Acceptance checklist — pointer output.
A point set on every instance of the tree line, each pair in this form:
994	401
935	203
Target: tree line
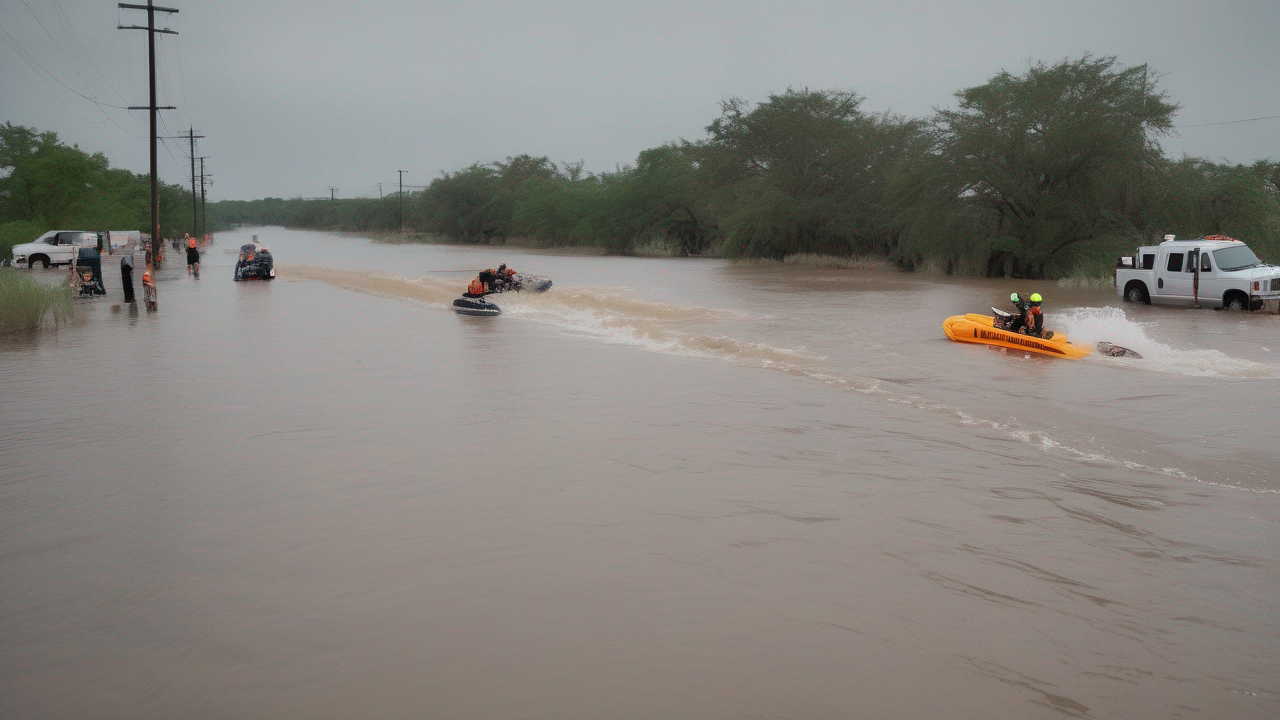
46	184
1047	173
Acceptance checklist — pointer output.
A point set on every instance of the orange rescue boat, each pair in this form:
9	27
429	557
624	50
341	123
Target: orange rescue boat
981	329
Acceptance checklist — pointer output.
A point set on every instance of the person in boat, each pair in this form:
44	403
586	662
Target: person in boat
477	288
498	280
1019	320
1032	317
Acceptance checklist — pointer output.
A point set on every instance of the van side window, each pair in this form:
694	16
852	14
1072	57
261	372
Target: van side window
1204	263
1148	261
1175	262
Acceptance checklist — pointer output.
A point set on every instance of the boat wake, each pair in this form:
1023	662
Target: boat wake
615	316
1088	326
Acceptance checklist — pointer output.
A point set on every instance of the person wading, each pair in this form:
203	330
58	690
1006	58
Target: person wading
126	277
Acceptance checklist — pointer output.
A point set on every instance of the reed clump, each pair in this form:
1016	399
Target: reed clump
1087	282
844	262
25	302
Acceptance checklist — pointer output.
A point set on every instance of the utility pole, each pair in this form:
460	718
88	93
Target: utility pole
195	224
402	172
332	190
204	227
151	52
379	191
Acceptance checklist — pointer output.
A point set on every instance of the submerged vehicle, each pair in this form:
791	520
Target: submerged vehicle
993	330
470	304
254	263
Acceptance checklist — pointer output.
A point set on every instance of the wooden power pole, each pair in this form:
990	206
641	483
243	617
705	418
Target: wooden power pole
195	217
401	212
204	226
151	52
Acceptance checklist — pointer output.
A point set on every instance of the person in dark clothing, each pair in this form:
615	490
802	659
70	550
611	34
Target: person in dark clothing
1019	320
1034	319
126	277
193	257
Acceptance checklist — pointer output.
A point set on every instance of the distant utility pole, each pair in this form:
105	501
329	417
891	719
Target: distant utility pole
332	190
151	52
402	172
204	227
195	218
379	191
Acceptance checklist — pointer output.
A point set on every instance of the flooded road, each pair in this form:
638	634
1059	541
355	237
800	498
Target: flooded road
665	488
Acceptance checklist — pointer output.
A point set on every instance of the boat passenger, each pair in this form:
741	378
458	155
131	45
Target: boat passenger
1019	320
1033	320
476	289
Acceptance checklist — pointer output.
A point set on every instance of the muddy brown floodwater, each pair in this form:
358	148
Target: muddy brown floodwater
664	489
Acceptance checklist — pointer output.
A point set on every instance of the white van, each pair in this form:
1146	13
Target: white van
56	247
1214	271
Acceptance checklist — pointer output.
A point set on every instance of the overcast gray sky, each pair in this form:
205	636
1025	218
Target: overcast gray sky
297	96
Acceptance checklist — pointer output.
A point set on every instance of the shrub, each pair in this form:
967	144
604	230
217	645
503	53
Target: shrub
25	301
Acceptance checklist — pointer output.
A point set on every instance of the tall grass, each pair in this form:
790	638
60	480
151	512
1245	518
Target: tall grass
1080	281
25	301
845	262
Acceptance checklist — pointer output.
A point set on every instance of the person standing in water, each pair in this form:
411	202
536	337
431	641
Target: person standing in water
193	257
126	277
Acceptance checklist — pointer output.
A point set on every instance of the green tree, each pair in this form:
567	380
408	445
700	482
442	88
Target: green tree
1032	169
805	171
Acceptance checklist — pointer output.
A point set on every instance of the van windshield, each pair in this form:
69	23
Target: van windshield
1235	258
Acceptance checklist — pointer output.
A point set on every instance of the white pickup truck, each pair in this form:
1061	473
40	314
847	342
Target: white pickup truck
1213	271
56	247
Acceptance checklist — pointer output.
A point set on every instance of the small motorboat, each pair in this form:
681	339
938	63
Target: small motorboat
988	330
470	304
254	263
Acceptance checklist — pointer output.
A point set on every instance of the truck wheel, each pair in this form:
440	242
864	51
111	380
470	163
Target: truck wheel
38	259
1136	293
1235	301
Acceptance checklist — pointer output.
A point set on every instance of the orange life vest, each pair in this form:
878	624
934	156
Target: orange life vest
476	287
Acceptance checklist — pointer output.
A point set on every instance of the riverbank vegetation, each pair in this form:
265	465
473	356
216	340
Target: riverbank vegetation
1050	173
26	302
46	184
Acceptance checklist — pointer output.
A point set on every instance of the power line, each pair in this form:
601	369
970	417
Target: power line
35	64
1230	122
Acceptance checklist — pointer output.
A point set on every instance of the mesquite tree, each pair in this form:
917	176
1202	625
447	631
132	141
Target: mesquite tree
1031	169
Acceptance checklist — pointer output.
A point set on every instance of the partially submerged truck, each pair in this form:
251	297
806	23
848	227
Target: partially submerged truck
1213	271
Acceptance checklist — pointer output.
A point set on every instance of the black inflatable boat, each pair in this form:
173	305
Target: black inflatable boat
473	305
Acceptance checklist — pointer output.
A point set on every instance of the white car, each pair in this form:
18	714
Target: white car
1214	271
56	247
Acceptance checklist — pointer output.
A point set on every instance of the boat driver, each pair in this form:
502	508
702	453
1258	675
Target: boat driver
1033	319
498	279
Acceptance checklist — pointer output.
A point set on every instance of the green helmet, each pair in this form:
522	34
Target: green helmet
1014	298
1035	298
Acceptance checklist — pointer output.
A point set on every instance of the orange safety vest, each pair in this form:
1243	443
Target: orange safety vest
476	287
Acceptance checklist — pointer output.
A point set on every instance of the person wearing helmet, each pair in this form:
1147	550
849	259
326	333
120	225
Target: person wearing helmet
1034	318
1019	320
193	256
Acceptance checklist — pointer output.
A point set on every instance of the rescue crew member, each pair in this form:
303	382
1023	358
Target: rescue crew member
1020	320
1034	318
477	288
